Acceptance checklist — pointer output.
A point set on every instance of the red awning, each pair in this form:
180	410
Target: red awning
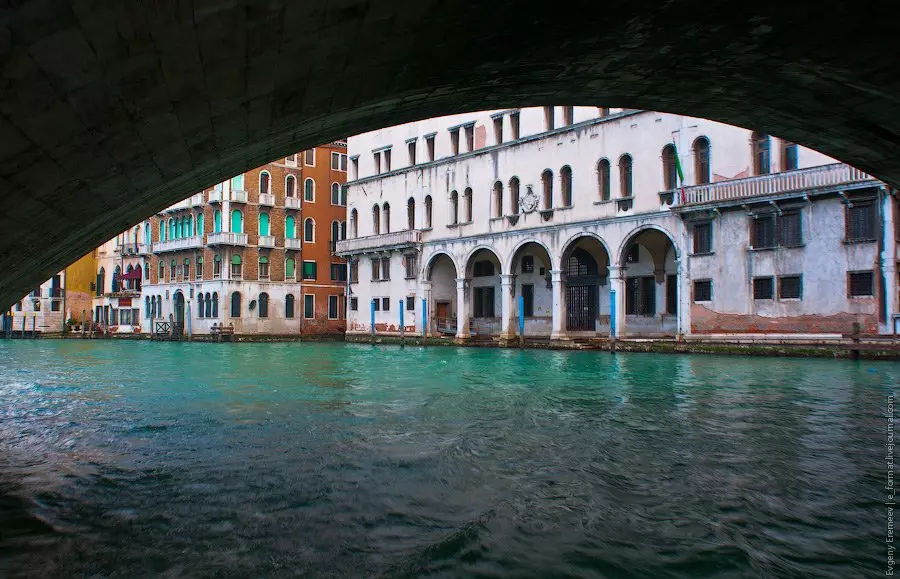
133	274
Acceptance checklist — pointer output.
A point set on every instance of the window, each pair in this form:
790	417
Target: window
771	230
338	161
332	307
376	157
264	224
215	304
568	115
514	125
467	197
548	118
411	264
483	302
335	194
376	269
428	211
263	267
429	145
514	195
309	230
625	185
761	159
528	300
454	207
483	268
633	255
237	183
385	268
763	288
290	186
172	267
309	303
701	161
290	268
670	169
354	223
565	183
236	267
860	284
290	229
354	271
410	303
859	220
702	235
338	272
264	183
386	214
237	221
354	304
217	221
671	294
789	157
497	200
291	159
236	305
264	305
186	270
410	213
309	190
376	219
217	267
498	129
385	304
335	235
289	306
547	183
387	160
376	304
703	290
790	287
470	137
454	141
527	264
355	160
411	149
603	179
309	270
309	158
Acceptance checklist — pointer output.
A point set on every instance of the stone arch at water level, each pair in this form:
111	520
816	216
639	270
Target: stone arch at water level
649	284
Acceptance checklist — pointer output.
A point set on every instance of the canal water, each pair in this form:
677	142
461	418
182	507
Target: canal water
138	459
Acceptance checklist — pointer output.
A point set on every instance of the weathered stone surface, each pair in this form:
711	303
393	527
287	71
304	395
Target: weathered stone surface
109	111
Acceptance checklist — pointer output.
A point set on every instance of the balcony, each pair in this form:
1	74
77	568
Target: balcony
180	206
383	242
292	203
293	243
197	200
267	199
195	242
226	238
266	241
238	195
216	196
814	179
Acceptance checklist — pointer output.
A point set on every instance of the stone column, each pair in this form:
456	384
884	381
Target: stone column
559	305
462	309
889	262
508	319
617	284
424	293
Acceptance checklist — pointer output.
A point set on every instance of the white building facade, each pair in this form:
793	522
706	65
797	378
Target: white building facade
575	222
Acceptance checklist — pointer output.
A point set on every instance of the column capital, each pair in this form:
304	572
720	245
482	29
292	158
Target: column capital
556	274
615	271
507	278
461	282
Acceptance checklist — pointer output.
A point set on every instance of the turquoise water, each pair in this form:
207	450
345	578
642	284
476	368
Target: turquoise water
139	459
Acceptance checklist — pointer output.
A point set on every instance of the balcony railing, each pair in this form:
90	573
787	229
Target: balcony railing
292	203
293	243
266	241
197	200
267	199
180	206
384	241
216	196
824	176
238	195
134	249
226	238
194	242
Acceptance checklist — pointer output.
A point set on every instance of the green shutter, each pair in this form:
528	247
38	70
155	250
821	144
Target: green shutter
236	259
263	223
289	267
237	222
263	260
289	227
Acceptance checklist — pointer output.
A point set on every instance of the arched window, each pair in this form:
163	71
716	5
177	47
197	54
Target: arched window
200	309
428	211
514	195
237	221
147	306
186	270
217	221
410	213
190	226
467	198
354	223
309	230
101	282
236	305
215	302
161	271
147	233
701	161
264	183
290	186
209	311
263	270
237	268
309	190
761	159
289	306
343	230
264	305
547	182
129	282
603	179
454	207
335	234
199	224
335	194
264	224
290	268
789	158
290	227
162	230
670	171
625	188
376	219
565	185
172	229
497	200
386	214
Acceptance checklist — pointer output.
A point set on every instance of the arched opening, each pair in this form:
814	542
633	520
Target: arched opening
603	180
497	200
235	305
215	304
376	219
483	270
531	265
117	279
237	221
237	267
547	184
428	211
264	183
309	230
263	305
200	305
651	284
354	224
336	194
467	199
514	195
290	227
762	161
263	267
290	268
585	267
565	185
178	305
309	190
101	282
289	306
335	234
199	224
701	161
386	214
264	224
217	221
290	186
790	160
209	309
669	167
441	272
625	177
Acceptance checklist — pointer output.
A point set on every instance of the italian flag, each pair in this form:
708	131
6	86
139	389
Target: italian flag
678	170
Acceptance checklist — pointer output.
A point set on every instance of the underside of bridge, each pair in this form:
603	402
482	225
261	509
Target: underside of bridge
110	111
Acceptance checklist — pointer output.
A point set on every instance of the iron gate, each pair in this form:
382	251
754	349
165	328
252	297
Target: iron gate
581	307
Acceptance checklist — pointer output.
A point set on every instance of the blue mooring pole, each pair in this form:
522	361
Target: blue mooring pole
521	318
372	308
402	327
612	313
424	317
